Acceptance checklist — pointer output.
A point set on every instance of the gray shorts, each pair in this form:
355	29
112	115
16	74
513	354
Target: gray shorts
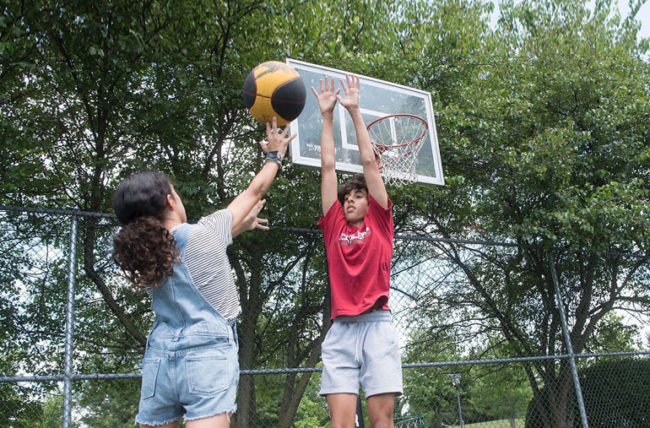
364	351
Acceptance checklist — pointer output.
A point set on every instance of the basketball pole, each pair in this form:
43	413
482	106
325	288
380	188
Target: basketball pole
359	420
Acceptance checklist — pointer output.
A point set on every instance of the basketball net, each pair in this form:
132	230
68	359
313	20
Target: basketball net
396	141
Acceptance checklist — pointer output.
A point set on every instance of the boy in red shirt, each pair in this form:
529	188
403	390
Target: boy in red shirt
361	347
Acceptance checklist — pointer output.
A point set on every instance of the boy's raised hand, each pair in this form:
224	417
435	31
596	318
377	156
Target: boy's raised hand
351	98
327	97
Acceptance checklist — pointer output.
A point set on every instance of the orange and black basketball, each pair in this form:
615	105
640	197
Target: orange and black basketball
274	88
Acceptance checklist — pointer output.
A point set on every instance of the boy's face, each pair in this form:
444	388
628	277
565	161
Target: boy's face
355	206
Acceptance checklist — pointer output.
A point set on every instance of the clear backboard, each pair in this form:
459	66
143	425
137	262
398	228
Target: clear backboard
377	98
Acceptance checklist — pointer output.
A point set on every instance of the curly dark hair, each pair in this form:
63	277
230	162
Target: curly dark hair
143	248
357	182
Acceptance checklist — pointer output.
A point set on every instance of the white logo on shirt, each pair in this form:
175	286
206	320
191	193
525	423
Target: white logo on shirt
354	238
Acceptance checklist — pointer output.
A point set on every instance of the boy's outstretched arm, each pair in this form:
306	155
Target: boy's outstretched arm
371	172
326	103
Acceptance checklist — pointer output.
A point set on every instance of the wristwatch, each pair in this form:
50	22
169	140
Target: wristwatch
275	157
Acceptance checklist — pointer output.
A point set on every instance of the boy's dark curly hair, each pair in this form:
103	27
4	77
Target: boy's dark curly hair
143	248
358	182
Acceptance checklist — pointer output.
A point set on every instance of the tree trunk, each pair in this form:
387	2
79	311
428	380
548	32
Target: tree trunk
251	302
90	239
293	390
555	407
246	415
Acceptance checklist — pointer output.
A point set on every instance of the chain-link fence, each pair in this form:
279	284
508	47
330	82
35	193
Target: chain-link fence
484	326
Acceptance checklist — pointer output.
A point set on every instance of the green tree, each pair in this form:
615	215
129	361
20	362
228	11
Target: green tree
110	404
500	391
122	86
429	392
612	334
541	125
312	412
615	393
546	147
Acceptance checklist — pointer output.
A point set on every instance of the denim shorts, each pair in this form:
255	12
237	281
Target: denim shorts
198	381
362	350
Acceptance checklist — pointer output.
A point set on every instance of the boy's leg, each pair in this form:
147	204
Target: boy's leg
380	410
343	409
340	378
381	372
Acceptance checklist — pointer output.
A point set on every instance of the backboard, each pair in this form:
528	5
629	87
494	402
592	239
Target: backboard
377	98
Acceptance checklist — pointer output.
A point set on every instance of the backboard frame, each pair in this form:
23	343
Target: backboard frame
308	155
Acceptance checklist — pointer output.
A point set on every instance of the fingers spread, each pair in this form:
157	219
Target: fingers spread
345	88
263	144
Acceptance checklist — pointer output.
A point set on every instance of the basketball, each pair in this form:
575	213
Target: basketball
274	88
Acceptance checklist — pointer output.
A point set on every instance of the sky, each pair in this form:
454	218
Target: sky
643	16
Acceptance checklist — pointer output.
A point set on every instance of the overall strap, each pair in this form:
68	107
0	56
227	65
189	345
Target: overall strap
181	233
178	304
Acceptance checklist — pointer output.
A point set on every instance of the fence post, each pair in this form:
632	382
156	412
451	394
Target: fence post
569	345
69	324
455	380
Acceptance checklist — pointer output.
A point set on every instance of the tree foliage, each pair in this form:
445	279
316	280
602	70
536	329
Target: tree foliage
542	122
615	393
546	149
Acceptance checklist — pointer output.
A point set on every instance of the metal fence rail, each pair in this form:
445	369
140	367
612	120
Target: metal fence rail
60	368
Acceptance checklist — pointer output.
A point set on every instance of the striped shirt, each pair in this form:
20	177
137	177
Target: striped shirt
207	262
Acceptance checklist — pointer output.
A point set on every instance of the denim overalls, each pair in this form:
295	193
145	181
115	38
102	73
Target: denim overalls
190	365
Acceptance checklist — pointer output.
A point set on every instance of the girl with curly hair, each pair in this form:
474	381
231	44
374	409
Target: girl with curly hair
190	367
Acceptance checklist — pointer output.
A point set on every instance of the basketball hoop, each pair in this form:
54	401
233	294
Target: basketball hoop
396	141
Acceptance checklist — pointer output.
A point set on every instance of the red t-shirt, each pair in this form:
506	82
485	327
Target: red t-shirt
359	258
